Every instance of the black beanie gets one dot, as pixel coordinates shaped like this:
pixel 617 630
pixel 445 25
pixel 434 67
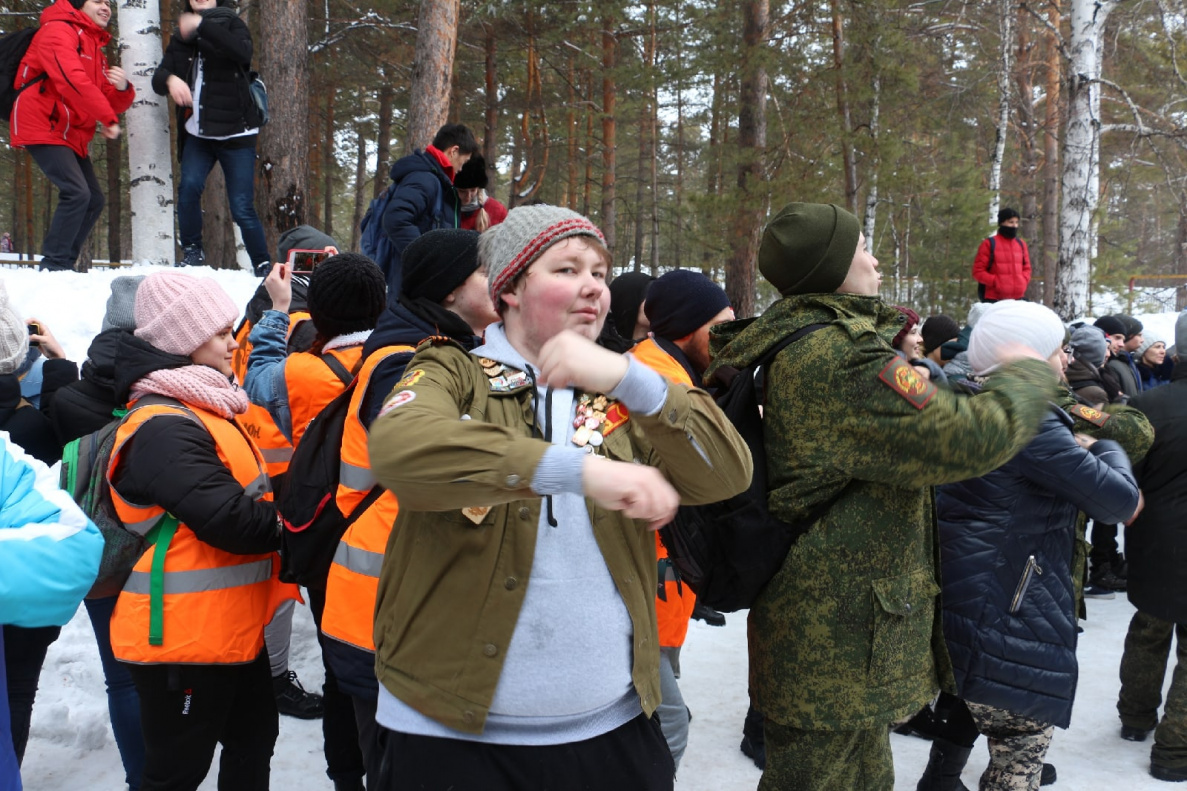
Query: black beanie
pixel 473 174
pixel 1132 326
pixel 680 302
pixel 1112 325
pixel 627 292
pixel 937 331
pixel 1006 214
pixel 347 292
pixel 437 262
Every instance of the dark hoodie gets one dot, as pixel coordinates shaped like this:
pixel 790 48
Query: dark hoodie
pixel 422 198
pixel 87 405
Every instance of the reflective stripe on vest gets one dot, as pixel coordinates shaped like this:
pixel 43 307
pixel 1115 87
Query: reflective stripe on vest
pixel 360 561
pixel 357 478
pixel 277 455
pixel 202 580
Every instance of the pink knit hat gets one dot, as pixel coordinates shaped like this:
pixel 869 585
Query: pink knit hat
pixel 177 313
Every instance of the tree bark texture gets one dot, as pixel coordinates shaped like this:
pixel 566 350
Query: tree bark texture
pixel 115 215
pixel 150 185
pixel 383 154
pixel 1028 154
pixel 1050 247
pixel 329 164
pixel 282 183
pixel 218 229
pixel 490 130
pixel 609 144
pixel 848 155
pixel 1005 18
pixel 750 206
pixel 432 71
pixel 360 184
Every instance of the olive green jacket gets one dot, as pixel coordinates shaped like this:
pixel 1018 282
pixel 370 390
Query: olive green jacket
pixel 451 587
pixel 848 635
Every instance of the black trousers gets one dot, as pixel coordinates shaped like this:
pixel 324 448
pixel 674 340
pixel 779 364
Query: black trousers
pixel 340 735
pixel 80 202
pixel 24 654
pixel 185 710
pixel 1104 544
pixel 634 756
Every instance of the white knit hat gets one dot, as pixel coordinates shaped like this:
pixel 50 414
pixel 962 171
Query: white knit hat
pixel 1148 339
pixel 1013 321
pixel 14 335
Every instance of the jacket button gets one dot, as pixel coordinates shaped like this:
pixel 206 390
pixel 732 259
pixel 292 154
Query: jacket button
pixel 524 513
pixel 512 481
pixel 510 583
pixel 490 650
pixel 468 716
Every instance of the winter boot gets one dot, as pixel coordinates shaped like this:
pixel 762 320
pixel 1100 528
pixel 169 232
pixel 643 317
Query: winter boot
pixel 293 700
pixel 1132 734
pixel 354 784
pixel 923 725
pixel 703 612
pixel 1049 775
pixel 192 256
pixel 944 766
pixel 754 744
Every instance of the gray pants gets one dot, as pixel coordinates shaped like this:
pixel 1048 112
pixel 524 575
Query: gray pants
pixel 277 635
pixel 673 714
pixel 80 202
pixel 1017 746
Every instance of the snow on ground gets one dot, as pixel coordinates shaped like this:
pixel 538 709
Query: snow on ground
pixel 71 746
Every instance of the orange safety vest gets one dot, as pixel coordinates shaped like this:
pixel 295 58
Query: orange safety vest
pixel 212 605
pixel 353 581
pixel 259 425
pixel 672 614
pixel 311 384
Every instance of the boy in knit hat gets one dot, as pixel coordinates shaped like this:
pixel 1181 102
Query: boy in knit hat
pixel 516 637
pixel 845 639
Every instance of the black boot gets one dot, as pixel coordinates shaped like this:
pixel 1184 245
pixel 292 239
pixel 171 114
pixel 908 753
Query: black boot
pixel 703 612
pixel 944 766
pixel 292 699
pixel 753 741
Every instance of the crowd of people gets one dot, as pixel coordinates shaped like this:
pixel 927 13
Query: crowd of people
pixel 516 425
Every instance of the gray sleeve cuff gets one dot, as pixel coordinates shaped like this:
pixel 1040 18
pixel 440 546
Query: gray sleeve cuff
pixel 559 471
pixel 642 389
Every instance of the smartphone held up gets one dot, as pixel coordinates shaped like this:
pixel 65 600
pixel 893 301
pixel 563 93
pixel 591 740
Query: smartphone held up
pixel 303 262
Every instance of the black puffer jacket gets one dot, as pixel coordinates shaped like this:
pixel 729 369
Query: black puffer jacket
pixel 172 462
pixel 1156 543
pixel 1006 542
pixel 225 106
pixel 88 404
pixel 28 426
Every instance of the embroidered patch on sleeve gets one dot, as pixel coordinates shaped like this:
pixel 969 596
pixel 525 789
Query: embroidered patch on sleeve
pixel 1093 416
pixel 410 378
pixel 616 415
pixel 399 399
pixel 903 379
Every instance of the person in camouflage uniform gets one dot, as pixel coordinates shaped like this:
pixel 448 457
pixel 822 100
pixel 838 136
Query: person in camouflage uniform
pixel 846 638
pixel 1155 544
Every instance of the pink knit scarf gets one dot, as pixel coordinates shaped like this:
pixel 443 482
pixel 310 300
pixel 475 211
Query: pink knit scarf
pixel 199 385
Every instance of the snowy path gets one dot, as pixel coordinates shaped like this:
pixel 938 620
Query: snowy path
pixel 71 746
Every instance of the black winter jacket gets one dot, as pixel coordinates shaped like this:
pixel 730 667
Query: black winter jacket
pixel 1006 542
pixel 225 106
pixel 422 199
pixel 28 426
pixel 87 405
pixel 173 462
pixel 1156 543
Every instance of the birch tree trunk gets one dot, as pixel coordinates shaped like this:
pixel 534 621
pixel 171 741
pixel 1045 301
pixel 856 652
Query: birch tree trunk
pixel 150 184
pixel 871 213
pixel 432 71
pixel 1081 152
pixel 1005 14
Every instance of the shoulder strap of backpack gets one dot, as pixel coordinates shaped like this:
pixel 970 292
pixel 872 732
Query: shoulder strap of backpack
pixel 769 357
pixel 335 365
pixel 989 266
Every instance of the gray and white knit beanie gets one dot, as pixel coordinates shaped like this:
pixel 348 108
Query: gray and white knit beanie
pixel 513 245
pixel 1013 321
pixel 14 335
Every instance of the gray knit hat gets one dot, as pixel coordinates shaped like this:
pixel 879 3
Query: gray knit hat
pixel 1090 345
pixel 121 303
pixel 1148 339
pixel 513 245
pixel 14 335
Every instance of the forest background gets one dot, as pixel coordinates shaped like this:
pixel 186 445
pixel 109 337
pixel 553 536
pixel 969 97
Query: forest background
pixel 678 125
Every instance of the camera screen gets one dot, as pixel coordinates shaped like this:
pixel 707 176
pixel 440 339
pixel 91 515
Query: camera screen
pixel 305 261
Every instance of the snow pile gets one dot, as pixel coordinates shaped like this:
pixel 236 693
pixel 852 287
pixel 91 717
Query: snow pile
pixel 71 745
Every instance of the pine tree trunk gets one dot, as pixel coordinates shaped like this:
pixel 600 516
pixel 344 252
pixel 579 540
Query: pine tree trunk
pixel 20 208
pixel 570 196
pixel 1081 164
pixel 1005 15
pixel 360 184
pixel 848 155
pixel 31 241
pixel 609 143
pixel 329 164
pixel 383 140
pixel 752 140
pixel 1028 154
pixel 432 70
pixel 316 182
pixel 147 123
pixel 491 97
pixel 653 139
pixel 1050 247
pixel 115 203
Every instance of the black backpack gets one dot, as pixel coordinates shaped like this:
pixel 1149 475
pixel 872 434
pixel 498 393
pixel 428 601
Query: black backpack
pixel 13 47
pixel 728 551
pixel 308 506
pixel 988 268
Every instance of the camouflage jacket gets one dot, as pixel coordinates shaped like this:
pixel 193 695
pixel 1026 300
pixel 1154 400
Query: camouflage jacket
pixel 848 635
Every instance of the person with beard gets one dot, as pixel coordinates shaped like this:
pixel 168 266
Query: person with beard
pixel 445 294
pixel 204 72
pixel 189 622
pixel 1002 265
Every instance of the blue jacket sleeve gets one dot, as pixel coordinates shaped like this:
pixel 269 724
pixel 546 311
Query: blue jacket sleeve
pixel 414 198
pixel 49 550
pixel 264 381
pixel 1098 481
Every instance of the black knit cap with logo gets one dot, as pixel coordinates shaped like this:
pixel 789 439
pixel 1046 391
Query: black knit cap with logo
pixel 347 292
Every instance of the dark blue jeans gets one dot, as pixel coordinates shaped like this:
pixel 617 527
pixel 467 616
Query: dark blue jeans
pixel 238 162
pixel 123 704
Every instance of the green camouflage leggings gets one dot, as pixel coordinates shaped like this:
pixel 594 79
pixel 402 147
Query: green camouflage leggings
pixel 827 760
pixel 1143 668
pixel 1016 748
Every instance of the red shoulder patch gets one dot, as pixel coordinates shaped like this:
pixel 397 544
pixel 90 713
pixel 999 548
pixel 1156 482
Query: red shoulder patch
pixel 1093 416
pixel 903 379
pixel 616 415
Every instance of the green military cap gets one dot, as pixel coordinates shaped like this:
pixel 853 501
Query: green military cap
pixel 807 248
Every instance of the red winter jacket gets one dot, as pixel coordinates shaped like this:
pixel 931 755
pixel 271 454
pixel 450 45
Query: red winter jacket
pixel 1011 268
pixel 63 109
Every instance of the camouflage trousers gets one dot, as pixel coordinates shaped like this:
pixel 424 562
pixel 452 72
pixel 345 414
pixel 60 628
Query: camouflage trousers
pixel 1143 668
pixel 799 760
pixel 1017 746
